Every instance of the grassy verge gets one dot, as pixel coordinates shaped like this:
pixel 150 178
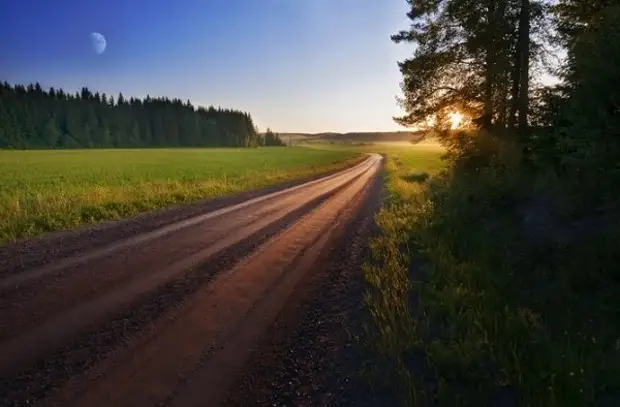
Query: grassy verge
pixel 470 309
pixel 42 191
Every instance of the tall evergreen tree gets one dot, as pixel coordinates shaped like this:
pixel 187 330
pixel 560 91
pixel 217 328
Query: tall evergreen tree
pixel 272 139
pixel 51 133
pixel 468 53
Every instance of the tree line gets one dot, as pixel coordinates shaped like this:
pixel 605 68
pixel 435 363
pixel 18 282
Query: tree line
pixel 31 117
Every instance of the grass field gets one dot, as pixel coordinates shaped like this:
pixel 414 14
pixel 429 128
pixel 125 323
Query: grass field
pixel 42 191
pixel 405 161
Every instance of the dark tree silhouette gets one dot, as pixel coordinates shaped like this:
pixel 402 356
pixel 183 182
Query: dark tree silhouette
pixel 33 118
pixel 273 139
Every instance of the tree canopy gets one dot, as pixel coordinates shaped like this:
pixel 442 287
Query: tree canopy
pixel 470 56
pixel 273 139
pixel 478 57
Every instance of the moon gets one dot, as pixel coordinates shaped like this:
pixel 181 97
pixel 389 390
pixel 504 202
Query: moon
pixel 98 42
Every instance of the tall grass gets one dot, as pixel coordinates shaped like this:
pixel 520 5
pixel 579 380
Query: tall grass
pixel 470 309
pixel 42 191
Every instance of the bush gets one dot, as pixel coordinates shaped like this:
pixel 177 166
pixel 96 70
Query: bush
pixel 488 294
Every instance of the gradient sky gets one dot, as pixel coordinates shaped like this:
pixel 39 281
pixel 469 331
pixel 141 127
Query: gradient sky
pixel 295 65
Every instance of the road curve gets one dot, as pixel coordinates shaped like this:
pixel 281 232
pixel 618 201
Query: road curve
pixel 166 317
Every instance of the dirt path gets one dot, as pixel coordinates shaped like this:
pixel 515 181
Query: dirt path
pixel 313 354
pixel 169 316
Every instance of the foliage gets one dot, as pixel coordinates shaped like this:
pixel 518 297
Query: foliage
pixel 495 285
pixel 273 139
pixel 33 118
pixel 574 17
pixel 471 306
pixel 467 57
pixel 44 191
pixel 589 137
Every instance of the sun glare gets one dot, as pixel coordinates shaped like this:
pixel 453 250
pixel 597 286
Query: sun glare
pixel 455 120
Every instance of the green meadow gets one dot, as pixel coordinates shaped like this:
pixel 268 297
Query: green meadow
pixel 43 191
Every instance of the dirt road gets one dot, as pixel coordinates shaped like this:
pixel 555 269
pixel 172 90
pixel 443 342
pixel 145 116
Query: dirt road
pixel 168 315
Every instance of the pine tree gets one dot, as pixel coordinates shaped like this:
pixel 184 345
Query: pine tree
pixel 51 133
pixel 106 137
pixel 469 53
pixel 272 139
pixel 135 135
pixel 4 126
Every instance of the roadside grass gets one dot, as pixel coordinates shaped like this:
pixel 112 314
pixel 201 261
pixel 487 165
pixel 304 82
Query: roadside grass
pixel 467 310
pixel 43 191
pixel 407 167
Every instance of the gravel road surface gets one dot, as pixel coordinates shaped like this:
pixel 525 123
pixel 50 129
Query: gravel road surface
pixel 175 312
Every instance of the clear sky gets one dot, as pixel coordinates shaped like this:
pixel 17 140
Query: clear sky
pixel 295 65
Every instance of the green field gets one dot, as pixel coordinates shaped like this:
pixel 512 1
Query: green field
pixel 405 160
pixel 42 191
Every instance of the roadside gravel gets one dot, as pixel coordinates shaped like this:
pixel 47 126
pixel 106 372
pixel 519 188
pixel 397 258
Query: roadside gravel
pixel 313 355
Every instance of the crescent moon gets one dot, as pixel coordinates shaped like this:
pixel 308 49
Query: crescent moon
pixel 98 42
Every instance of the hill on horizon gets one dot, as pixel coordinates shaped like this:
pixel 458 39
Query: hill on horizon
pixel 353 137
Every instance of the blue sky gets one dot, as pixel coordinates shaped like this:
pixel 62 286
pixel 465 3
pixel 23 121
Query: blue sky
pixel 295 65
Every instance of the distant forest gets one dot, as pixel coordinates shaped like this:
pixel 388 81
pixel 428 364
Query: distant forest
pixel 31 118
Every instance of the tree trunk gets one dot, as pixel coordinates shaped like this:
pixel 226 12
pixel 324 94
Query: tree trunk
pixel 502 115
pixel 502 79
pixel 487 119
pixel 524 36
pixel 514 92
